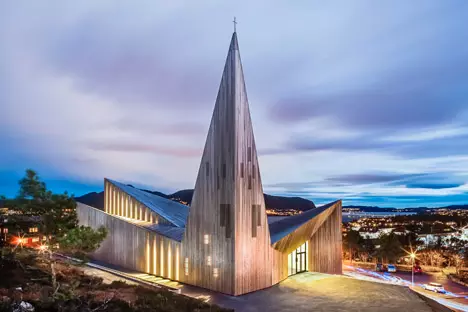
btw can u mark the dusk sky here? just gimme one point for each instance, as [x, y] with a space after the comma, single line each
[365, 101]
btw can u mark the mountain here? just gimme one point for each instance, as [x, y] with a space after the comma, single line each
[185, 196]
[92, 199]
[414, 209]
[271, 201]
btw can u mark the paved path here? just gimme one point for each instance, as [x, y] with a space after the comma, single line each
[321, 292]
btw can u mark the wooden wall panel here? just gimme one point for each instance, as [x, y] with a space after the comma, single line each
[325, 246]
[303, 233]
[253, 252]
[131, 246]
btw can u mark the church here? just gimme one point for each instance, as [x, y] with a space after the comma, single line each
[224, 241]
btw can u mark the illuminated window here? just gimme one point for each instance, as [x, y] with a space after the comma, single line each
[206, 239]
[35, 239]
[186, 266]
[33, 230]
[215, 272]
[5, 230]
[208, 260]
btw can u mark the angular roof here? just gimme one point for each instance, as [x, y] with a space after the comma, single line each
[285, 226]
[172, 211]
[172, 232]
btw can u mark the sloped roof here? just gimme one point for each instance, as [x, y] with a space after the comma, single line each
[172, 232]
[287, 225]
[172, 211]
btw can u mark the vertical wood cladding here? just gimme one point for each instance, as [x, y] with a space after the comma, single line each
[124, 205]
[325, 246]
[131, 246]
[239, 250]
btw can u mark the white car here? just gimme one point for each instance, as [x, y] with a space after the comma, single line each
[391, 268]
[434, 287]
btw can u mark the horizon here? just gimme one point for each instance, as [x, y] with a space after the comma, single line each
[362, 102]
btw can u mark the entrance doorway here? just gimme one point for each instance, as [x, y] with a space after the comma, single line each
[297, 260]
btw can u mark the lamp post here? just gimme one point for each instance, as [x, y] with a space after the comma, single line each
[412, 255]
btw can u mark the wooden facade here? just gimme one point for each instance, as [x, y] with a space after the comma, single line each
[226, 245]
[131, 246]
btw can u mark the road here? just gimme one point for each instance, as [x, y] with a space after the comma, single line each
[440, 278]
[456, 295]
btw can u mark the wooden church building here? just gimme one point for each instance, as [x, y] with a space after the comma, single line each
[224, 240]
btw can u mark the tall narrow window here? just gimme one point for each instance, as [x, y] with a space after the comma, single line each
[253, 171]
[254, 220]
[250, 182]
[208, 260]
[249, 154]
[206, 239]
[242, 169]
[224, 170]
[217, 181]
[222, 214]
[207, 165]
[215, 272]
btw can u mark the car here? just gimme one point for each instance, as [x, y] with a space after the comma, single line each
[379, 267]
[436, 287]
[417, 269]
[391, 268]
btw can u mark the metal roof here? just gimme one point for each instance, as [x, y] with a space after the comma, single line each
[172, 232]
[172, 211]
[287, 225]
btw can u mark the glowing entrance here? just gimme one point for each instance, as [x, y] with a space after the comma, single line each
[297, 260]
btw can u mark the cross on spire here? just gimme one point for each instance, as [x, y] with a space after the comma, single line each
[235, 23]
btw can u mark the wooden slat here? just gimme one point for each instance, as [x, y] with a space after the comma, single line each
[128, 245]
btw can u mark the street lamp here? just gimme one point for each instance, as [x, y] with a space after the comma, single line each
[412, 255]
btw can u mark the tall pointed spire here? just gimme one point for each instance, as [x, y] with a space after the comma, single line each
[228, 203]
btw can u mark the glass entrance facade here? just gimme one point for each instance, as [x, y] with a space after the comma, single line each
[297, 260]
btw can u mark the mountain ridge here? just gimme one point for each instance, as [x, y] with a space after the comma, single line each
[185, 196]
[271, 202]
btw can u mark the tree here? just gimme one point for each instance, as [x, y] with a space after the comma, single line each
[57, 219]
[390, 247]
[351, 242]
[82, 240]
[368, 248]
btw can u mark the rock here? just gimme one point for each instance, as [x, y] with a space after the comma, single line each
[23, 307]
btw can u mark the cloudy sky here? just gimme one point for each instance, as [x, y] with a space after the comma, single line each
[361, 100]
